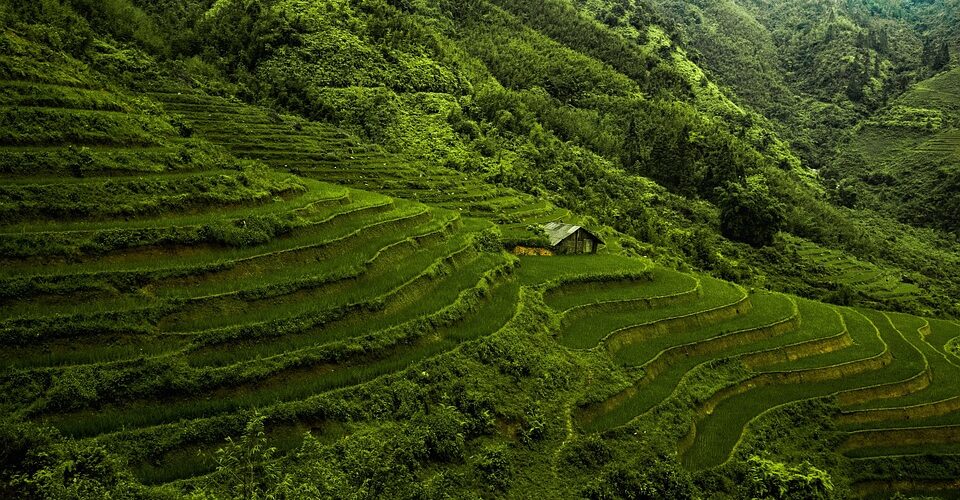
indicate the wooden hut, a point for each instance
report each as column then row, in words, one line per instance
column 570, row 239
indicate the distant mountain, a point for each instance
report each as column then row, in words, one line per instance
column 905, row 160
column 814, row 67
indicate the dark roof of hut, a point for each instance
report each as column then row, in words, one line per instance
column 558, row 231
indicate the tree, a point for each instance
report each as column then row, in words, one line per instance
column 246, row 467
column 936, row 55
column 942, row 58
column 748, row 212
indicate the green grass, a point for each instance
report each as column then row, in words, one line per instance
column 943, row 371
column 587, row 332
column 684, row 351
column 663, row 282
column 817, row 322
column 320, row 224
column 327, row 153
column 148, row 196
column 19, row 93
column 329, row 261
column 867, row 342
column 98, row 347
column 432, row 299
column 715, row 438
column 917, row 474
column 876, row 283
column 185, row 155
column 306, row 381
column 391, row 271
column 768, row 308
column 320, row 191
column 540, row 270
column 36, row 126
column 909, row 449
column 104, row 349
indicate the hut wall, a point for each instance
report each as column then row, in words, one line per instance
column 577, row 243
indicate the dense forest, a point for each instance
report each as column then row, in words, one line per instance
column 157, row 154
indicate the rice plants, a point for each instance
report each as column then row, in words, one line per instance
column 666, row 358
column 861, row 365
column 32, row 126
column 661, row 283
column 589, row 331
column 97, row 199
column 915, row 404
column 291, row 384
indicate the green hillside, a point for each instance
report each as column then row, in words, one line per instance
column 904, row 159
column 262, row 249
column 814, row 68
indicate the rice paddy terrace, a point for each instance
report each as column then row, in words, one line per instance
column 172, row 261
column 913, row 144
column 876, row 285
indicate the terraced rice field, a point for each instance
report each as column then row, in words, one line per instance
column 159, row 285
column 946, row 142
column 129, row 255
column 761, row 352
column 873, row 282
column 319, row 151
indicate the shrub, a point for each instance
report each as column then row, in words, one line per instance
column 76, row 471
column 246, row 467
column 769, row 479
column 748, row 212
column 649, row 477
column 493, row 467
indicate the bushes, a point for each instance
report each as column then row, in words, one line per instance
column 123, row 20
column 494, row 468
column 246, row 467
column 375, row 110
column 650, row 476
column 39, row 126
column 250, row 231
column 749, row 214
column 83, row 161
column 774, row 480
column 19, row 444
column 147, row 196
column 72, row 470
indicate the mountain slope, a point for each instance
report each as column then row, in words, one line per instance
column 904, row 159
column 814, row 68
column 205, row 294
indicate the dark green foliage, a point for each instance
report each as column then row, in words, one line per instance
column 494, row 468
column 647, row 477
column 246, row 467
column 936, row 54
column 151, row 197
column 71, row 470
column 588, row 453
column 769, row 479
column 748, row 212
column 428, row 365
column 30, row 126
column 19, row 442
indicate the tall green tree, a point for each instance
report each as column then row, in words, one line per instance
column 748, row 213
